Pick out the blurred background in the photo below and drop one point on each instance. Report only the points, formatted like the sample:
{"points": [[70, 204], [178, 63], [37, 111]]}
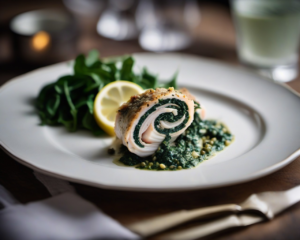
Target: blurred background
{"points": [[38, 33]]}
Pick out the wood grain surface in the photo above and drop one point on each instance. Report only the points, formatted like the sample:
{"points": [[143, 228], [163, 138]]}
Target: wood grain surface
{"points": [[214, 39]]}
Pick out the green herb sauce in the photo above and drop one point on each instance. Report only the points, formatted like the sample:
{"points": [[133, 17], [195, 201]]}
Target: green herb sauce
{"points": [[201, 140]]}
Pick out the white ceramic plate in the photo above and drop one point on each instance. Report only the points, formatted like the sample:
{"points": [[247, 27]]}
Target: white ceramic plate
{"points": [[263, 116]]}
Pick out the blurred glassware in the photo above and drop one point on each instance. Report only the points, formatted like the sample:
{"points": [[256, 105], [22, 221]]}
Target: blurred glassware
{"points": [[86, 13], [117, 21], [43, 36], [85, 7], [165, 25], [268, 34]]}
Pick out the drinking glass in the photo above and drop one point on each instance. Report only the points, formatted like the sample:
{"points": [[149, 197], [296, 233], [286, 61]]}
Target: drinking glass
{"points": [[268, 36], [117, 21], [165, 25]]}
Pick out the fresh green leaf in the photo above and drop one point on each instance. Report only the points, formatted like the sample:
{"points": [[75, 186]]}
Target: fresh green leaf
{"points": [[80, 102], [65, 118], [171, 83], [89, 123], [92, 58], [148, 80], [73, 110], [58, 89], [52, 105], [96, 78], [90, 104], [44, 95], [113, 70], [126, 70], [79, 67]]}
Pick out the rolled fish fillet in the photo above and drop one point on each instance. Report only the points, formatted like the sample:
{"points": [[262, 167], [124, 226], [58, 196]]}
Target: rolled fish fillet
{"points": [[144, 121], [201, 111]]}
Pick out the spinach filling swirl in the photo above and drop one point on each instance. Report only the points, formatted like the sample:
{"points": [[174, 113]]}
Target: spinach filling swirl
{"points": [[182, 111]]}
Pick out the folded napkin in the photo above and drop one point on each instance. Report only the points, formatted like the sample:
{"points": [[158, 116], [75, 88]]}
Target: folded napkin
{"points": [[62, 217]]}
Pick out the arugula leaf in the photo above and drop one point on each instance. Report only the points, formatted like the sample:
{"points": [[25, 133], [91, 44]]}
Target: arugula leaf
{"points": [[44, 94], [79, 66], [171, 83], [65, 118], [90, 104], [113, 70], [73, 110], [89, 123], [92, 58], [52, 105], [149, 80], [126, 70]]}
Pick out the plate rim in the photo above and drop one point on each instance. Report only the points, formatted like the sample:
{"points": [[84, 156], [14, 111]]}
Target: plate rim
{"points": [[261, 173]]}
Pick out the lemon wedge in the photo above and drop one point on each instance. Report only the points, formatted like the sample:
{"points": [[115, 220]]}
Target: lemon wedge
{"points": [[109, 99]]}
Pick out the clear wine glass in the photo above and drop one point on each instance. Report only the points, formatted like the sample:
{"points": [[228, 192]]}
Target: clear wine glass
{"points": [[165, 25], [117, 21]]}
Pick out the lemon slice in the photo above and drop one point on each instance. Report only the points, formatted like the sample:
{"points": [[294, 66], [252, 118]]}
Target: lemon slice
{"points": [[109, 99]]}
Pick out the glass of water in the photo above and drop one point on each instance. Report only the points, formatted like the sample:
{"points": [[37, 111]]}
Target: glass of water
{"points": [[268, 36]]}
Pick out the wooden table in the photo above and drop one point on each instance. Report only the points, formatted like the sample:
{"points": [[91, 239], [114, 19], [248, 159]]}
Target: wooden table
{"points": [[214, 39]]}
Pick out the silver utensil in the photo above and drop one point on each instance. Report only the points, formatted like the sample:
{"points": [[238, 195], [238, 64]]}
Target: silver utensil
{"points": [[197, 232], [267, 203]]}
